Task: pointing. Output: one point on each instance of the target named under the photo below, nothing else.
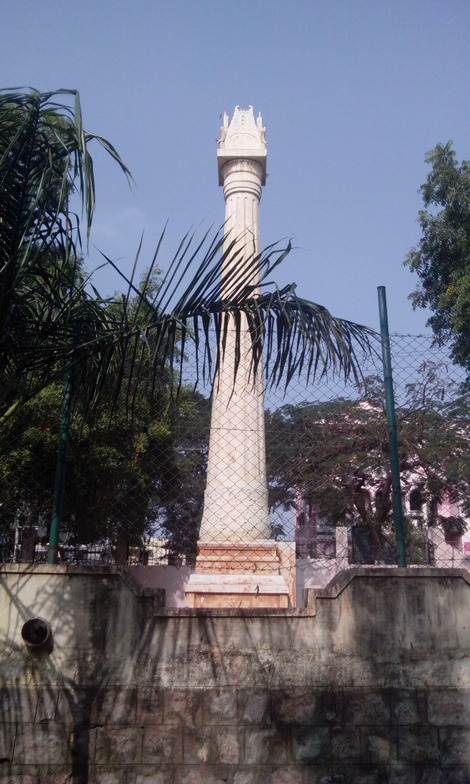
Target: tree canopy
(335, 455)
(442, 258)
(127, 480)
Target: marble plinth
(237, 591)
(258, 574)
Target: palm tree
(48, 320)
(44, 157)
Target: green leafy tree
(129, 479)
(149, 457)
(336, 456)
(133, 474)
(442, 258)
(336, 460)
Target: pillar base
(228, 574)
(234, 558)
(237, 591)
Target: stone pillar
(236, 498)
(238, 564)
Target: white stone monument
(238, 564)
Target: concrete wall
(369, 684)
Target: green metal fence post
(59, 486)
(392, 429)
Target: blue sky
(352, 94)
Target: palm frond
(288, 334)
(51, 318)
(44, 157)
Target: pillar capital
(242, 175)
(242, 138)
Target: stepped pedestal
(260, 574)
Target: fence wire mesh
(135, 487)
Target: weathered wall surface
(369, 684)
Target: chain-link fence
(136, 486)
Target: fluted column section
(236, 498)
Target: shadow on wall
(401, 696)
(172, 579)
(366, 684)
(53, 699)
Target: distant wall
(172, 579)
(369, 684)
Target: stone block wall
(369, 685)
(179, 736)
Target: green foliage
(336, 459)
(442, 258)
(28, 450)
(49, 319)
(336, 456)
(46, 315)
(126, 480)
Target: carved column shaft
(236, 498)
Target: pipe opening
(37, 634)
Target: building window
(416, 500)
